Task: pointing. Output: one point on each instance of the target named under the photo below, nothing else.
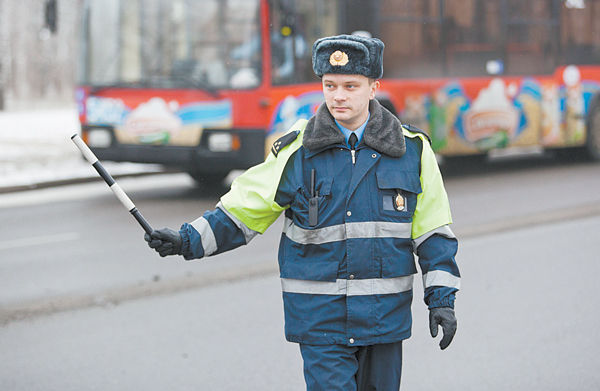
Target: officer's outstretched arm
(215, 232)
(249, 207)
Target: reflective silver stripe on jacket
(372, 286)
(444, 230)
(209, 243)
(249, 234)
(440, 278)
(334, 233)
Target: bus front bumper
(212, 154)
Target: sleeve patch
(284, 141)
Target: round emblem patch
(338, 58)
(399, 202)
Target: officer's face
(347, 98)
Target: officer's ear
(374, 86)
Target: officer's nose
(339, 95)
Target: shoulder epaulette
(284, 141)
(414, 129)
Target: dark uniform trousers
(352, 368)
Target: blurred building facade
(38, 42)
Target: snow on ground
(36, 147)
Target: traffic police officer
(361, 194)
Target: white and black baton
(114, 186)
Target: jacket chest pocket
(397, 192)
(310, 209)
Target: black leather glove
(445, 317)
(165, 241)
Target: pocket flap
(404, 180)
(324, 186)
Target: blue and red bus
(206, 85)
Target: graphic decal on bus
(293, 108)
(158, 121)
(518, 113)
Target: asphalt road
(85, 305)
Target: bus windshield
(210, 45)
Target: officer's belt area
(340, 232)
(369, 286)
(365, 287)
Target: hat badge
(338, 58)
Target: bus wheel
(206, 179)
(592, 143)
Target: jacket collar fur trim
(383, 132)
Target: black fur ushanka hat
(348, 54)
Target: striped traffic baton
(114, 186)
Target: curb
(76, 180)
(111, 297)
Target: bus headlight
(99, 138)
(222, 142)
